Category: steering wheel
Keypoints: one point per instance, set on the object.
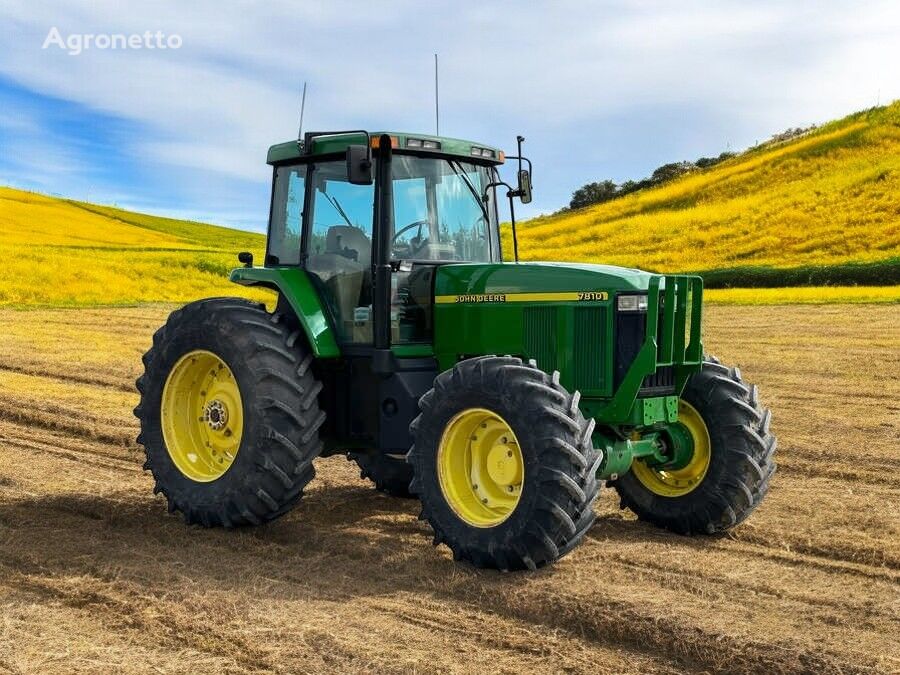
(406, 228)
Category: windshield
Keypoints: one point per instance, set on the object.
(438, 211)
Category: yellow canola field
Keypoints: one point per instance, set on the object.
(63, 253)
(802, 295)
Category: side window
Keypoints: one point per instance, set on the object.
(287, 211)
(340, 248)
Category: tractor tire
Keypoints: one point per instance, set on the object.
(229, 413)
(391, 476)
(740, 461)
(503, 464)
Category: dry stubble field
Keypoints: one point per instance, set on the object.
(96, 577)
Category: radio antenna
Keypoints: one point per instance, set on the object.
(302, 108)
(437, 118)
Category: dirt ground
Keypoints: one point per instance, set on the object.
(95, 576)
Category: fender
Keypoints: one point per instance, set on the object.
(294, 284)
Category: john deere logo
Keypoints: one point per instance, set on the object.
(486, 297)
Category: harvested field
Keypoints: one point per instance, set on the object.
(95, 576)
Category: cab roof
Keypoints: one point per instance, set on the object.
(337, 142)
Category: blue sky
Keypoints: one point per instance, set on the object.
(599, 89)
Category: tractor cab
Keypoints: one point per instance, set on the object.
(370, 216)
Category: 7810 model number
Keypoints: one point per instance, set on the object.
(592, 296)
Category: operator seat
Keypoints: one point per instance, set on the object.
(349, 242)
(344, 269)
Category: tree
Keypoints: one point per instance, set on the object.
(593, 193)
(673, 170)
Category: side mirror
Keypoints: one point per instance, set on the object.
(359, 165)
(525, 186)
(245, 258)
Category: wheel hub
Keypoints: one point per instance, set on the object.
(690, 452)
(202, 416)
(502, 466)
(216, 414)
(480, 467)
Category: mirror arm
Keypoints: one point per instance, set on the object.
(510, 194)
(522, 158)
(519, 139)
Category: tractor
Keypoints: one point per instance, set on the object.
(501, 394)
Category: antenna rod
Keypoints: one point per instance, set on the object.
(302, 108)
(437, 119)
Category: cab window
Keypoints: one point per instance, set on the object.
(340, 248)
(287, 211)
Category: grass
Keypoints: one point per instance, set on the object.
(63, 253)
(880, 273)
(819, 209)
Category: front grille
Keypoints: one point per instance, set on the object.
(630, 331)
(540, 336)
(589, 348)
(660, 383)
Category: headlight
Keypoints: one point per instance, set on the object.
(632, 303)
(483, 152)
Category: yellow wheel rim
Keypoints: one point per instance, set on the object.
(679, 482)
(480, 467)
(202, 416)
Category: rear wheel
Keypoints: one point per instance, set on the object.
(229, 413)
(389, 474)
(726, 458)
(504, 464)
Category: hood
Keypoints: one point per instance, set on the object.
(546, 277)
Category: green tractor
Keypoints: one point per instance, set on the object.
(500, 394)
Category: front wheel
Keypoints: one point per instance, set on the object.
(725, 471)
(503, 464)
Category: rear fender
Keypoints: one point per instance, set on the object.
(294, 284)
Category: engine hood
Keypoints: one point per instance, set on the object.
(489, 279)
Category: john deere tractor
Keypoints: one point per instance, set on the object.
(500, 394)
